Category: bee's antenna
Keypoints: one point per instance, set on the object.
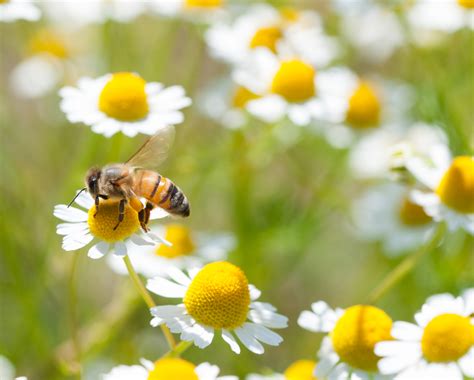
(79, 193)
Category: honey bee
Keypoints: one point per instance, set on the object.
(137, 178)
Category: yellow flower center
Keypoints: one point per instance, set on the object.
(102, 225)
(412, 214)
(294, 81)
(203, 3)
(124, 97)
(456, 188)
(301, 370)
(266, 37)
(173, 369)
(219, 296)
(356, 334)
(289, 14)
(469, 4)
(447, 338)
(242, 96)
(364, 107)
(48, 42)
(180, 238)
(3, 1)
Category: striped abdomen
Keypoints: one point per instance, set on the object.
(161, 192)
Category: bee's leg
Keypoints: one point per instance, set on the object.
(149, 206)
(141, 219)
(121, 212)
(97, 198)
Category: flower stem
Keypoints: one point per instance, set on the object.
(147, 298)
(179, 349)
(72, 288)
(402, 269)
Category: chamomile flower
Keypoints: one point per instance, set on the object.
(83, 227)
(447, 187)
(347, 352)
(187, 250)
(7, 370)
(263, 26)
(166, 369)
(194, 10)
(12, 10)
(216, 297)
(123, 102)
(299, 370)
(439, 346)
(387, 214)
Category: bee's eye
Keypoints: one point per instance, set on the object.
(92, 183)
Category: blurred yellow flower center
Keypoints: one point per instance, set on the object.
(447, 338)
(102, 225)
(301, 370)
(219, 296)
(289, 14)
(48, 42)
(356, 334)
(294, 81)
(180, 238)
(242, 96)
(456, 188)
(3, 1)
(266, 37)
(412, 214)
(124, 97)
(203, 3)
(466, 3)
(173, 369)
(364, 107)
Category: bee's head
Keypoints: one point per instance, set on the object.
(92, 181)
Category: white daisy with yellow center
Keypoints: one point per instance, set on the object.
(347, 352)
(84, 225)
(387, 214)
(263, 26)
(193, 10)
(439, 346)
(299, 370)
(123, 102)
(187, 250)
(448, 187)
(13, 10)
(166, 369)
(214, 298)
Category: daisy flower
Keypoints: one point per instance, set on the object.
(387, 214)
(12, 10)
(7, 370)
(166, 369)
(216, 297)
(347, 352)
(194, 10)
(448, 187)
(123, 102)
(83, 227)
(186, 251)
(439, 346)
(267, 27)
(299, 370)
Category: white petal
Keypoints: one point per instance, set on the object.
(201, 335)
(120, 249)
(138, 240)
(245, 336)
(230, 340)
(254, 292)
(268, 318)
(406, 331)
(70, 228)
(206, 371)
(166, 288)
(74, 242)
(264, 334)
(99, 250)
(123, 372)
(70, 214)
(178, 276)
(467, 363)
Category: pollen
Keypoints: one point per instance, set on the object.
(413, 215)
(173, 369)
(203, 3)
(48, 42)
(124, 97)
(180, 238)
(242, 96)
(357, 332)
(102, 225)
(447, 338)
(364, 107)
(266, 37)
(456, 188)
(469, 4)
(301, 370)
(294, 81)
(219, 296)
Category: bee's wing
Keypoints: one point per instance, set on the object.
(154, 151)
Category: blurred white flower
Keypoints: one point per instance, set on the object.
(7, 370)
(439, 346)
(299, 370)
(206, 11)
(13, 10)
(123, 102)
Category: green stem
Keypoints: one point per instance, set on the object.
(178, 350)
(147, 298)
(72, 288)
(402, 269)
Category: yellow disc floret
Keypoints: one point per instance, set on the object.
(48, 42)
(364, 107)
(173, 369)
(469, 4)
(357, 332)
(412, 214)
(301, 370)
(124, 97)
(266, 37)
(294, 81)
(289, 14)
(102, 224)
(242, 96)
(456, 188)
(219, 296)
(447, 338)
(203, 3)
(180, 238)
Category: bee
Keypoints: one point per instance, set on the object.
(137, 178)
